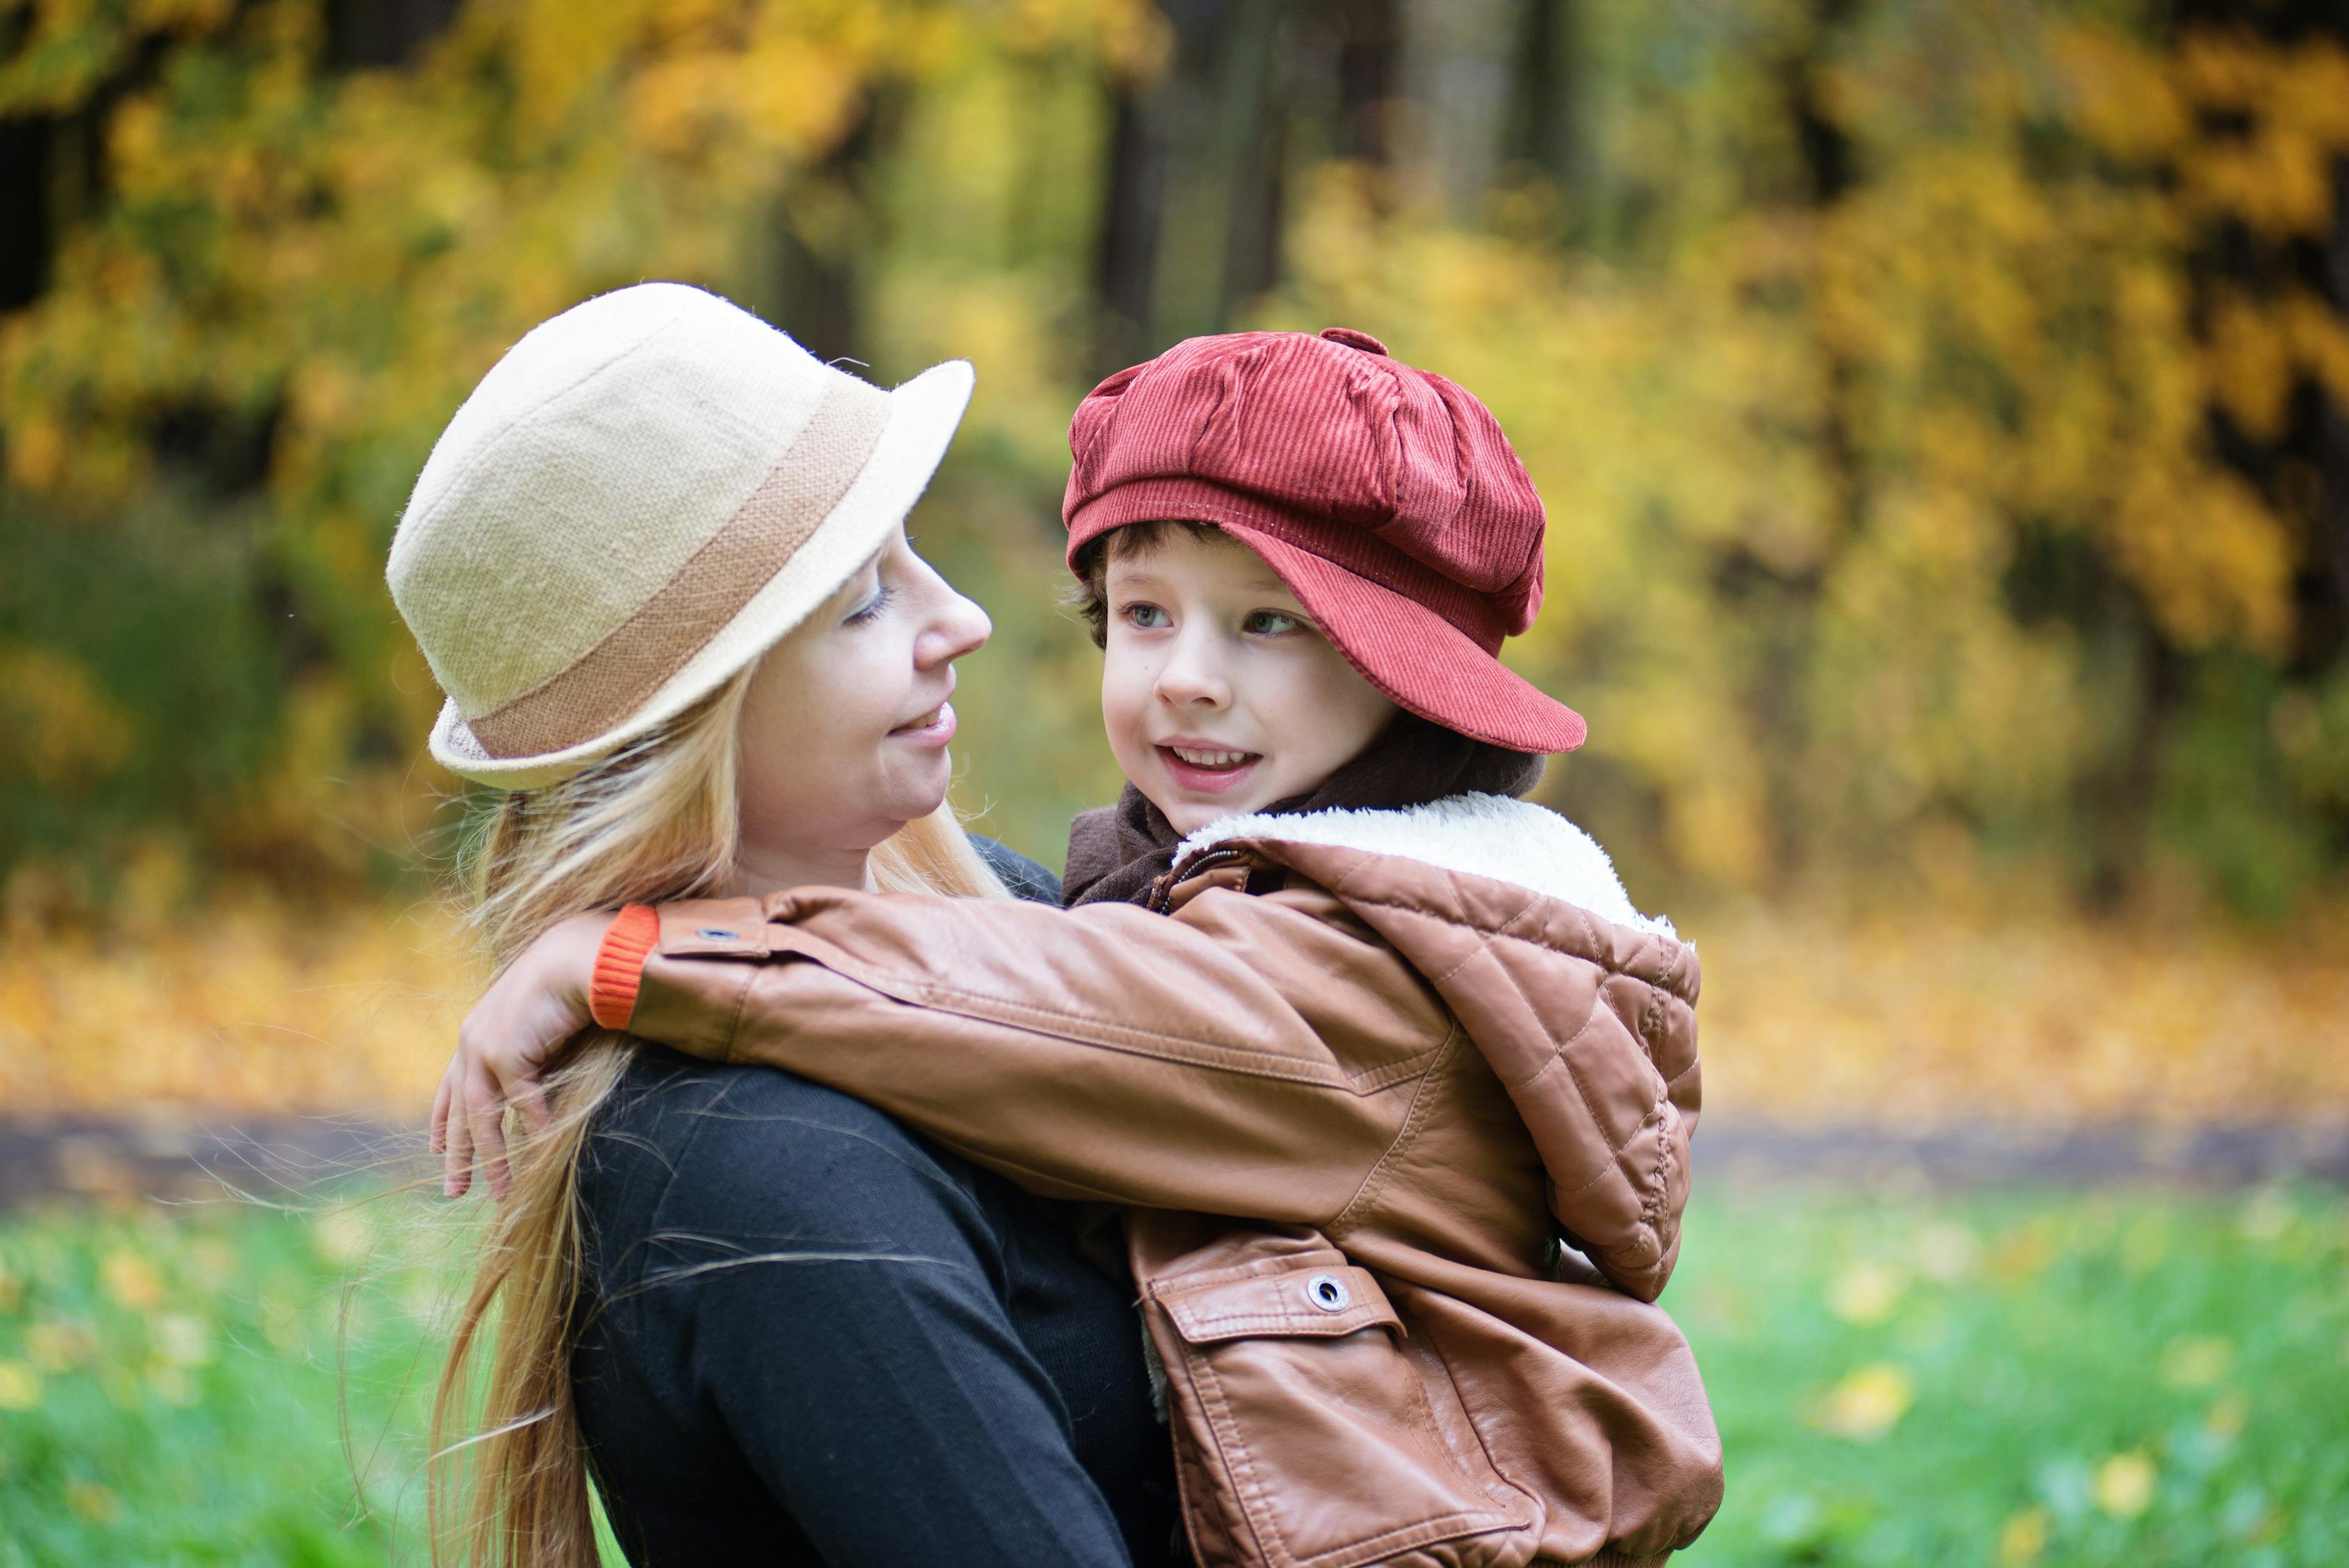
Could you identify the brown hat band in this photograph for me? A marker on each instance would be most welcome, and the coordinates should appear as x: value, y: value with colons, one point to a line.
x: 628, y: 664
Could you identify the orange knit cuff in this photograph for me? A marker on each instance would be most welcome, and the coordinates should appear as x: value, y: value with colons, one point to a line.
x: 620, y: 964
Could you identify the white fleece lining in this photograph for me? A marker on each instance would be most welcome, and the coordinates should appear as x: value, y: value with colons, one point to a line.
x: 1493, y: 836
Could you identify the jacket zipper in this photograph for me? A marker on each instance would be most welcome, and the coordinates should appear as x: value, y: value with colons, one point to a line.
x: 1162, y: 892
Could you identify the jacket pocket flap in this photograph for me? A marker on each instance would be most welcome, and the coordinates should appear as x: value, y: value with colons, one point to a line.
x: 1319, y: 1302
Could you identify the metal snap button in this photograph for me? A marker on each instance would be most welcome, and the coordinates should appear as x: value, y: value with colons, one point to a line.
x: 1329, y: 1292
x: 712, y: 934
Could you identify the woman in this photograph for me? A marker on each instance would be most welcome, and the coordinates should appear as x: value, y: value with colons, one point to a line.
x: 657, y: 562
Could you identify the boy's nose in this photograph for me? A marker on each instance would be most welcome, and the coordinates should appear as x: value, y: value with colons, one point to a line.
x: 1193, y: 676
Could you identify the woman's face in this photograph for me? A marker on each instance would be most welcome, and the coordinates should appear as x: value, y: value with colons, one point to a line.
x: 845, y: 728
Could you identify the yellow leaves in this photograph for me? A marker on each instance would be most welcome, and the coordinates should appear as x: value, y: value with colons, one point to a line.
x: 63, y: 730
x: 2124, y: 1484
x: 2022, y: 1538
x: 2122, y: 90
x: 36, y: 452
x: 1926, y: 1015
x: 1867, y: 1405
x: 2214, y: 562
x: 1946, y: 1252
x: 1864, y: 1293
x: 181, y: 1340
x: 53, y: 1347
x: 341, y: 1236
x: 20, y: 1387
x: 131, y: 1281
x: 93, y: 1502
x: 2251, y: 363
x: 2196, y: 1361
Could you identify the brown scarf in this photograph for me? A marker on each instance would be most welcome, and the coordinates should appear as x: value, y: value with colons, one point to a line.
x: 1118, y: 851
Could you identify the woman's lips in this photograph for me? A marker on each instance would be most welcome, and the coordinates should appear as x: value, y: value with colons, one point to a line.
x: 935, y: 728
x: 1207, y: 770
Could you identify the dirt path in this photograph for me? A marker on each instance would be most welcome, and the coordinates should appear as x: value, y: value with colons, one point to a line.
x: 120, y: 1158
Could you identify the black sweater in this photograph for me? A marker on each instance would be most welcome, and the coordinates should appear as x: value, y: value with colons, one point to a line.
x: 808, y: 1337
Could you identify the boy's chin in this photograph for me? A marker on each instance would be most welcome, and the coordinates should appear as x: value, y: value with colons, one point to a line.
x: 1188, y: 816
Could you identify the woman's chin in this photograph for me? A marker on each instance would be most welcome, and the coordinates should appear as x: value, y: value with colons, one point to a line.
x: 913, y: 793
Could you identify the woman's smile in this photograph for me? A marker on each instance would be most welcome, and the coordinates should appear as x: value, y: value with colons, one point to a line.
x: 935, y: 728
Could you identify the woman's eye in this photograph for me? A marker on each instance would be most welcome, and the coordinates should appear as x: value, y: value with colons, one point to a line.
x: 1145, y: 617
x: 871, y: 608
x: 1271, y: 623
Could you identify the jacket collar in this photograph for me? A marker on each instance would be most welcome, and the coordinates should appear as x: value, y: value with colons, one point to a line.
x: 1512, y: 841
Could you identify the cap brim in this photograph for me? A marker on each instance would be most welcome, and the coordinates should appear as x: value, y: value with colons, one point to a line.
x: 924, y: 414
x: 1427, y: 665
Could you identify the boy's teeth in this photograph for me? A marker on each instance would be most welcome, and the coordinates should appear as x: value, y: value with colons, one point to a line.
x: 1210, y: 758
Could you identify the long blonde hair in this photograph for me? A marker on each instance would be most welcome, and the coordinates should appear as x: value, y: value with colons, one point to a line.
x: 507, y: 1484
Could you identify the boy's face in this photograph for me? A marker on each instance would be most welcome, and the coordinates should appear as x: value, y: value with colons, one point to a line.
x: 1219, y: 694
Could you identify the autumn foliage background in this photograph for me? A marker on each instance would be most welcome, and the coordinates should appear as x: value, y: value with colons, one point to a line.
x: 1942, y: 409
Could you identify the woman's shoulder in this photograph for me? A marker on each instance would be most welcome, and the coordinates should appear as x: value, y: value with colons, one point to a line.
x: 712, y: 1148
x: 1027, y: 878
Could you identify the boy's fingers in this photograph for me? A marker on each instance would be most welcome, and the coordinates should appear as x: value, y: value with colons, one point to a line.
x: 532, y: 1099
x: 486, y: 1112
x: 457, y: 1165
x: 437, y: 1129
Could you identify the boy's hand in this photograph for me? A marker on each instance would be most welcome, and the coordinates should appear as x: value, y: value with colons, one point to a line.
x: 505, y: 1043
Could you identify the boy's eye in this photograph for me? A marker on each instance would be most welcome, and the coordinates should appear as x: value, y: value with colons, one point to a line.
x: 1271, y: 623
x: 1145, y: 617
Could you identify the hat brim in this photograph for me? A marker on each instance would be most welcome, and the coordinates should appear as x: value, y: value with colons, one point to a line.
x: 1420, y: 660
x: 924, y: 414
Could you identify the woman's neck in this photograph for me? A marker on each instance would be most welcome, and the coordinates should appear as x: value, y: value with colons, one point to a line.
x: 763, y: 868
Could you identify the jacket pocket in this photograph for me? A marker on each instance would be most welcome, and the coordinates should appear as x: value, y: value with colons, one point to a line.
x: 1306, y: 1439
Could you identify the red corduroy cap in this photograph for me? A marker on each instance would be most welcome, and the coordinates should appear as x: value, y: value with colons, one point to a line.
x: 1385, y: 497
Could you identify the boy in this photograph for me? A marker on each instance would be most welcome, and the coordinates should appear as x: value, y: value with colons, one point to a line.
x: 1354, y: 1036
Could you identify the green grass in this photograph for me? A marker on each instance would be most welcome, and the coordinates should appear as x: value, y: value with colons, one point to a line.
x: 2138, y: 1380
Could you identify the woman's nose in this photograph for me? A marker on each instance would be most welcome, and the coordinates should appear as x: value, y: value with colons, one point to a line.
x: 1193, y: 675
x: 957, y: 626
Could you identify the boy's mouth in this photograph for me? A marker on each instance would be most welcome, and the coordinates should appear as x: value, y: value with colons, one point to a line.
x: 1207, y: 770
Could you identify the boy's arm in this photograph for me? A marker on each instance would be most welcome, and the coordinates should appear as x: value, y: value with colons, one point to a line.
x: 1104, y: 1053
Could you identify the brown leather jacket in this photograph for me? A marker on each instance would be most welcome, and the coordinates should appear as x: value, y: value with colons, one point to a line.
x: 1359, y: 1080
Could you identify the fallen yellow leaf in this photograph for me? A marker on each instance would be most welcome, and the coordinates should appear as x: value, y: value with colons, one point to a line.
x: 131, y: 1281
x: 2022, y: 1538
x: 1864, y: 1293
x: 20, y: 1387
x: 59, y: 1346
x: 1867, y: 1405
x: 91, y: 1501
x: 2196, y: 1361
x: 2125, y: 1483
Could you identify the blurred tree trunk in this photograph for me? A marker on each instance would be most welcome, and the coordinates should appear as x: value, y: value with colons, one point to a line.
x: 2331, y: 640
x: 1784, y: 605
x: 364, y: 34
x: 826, y: 240
x: 1543, y: 133
x: 1196, y: 176
x: 28, y: 231
x: 1459, y: 64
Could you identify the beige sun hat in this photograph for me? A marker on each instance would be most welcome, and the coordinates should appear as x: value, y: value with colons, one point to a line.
x: 637, y: 502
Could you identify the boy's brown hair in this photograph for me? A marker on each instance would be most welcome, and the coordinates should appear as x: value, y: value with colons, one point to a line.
x: 1090, y: 596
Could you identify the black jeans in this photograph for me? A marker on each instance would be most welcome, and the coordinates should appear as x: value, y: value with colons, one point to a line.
x: 806, y: 1336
